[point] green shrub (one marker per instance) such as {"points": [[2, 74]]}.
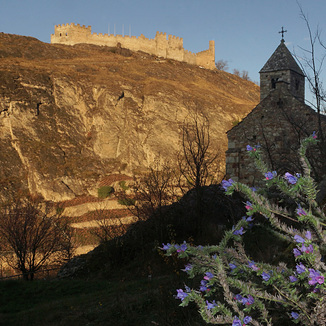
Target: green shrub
{"points": [[105, 191], [123, 185], [126, 201]]}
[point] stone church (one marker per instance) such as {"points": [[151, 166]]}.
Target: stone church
{"points": [[278, 123]]}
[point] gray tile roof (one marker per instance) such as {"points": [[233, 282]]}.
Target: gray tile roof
{"points": [[281, 59]]}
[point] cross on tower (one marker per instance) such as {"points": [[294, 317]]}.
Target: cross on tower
{"points": [[282, 32]]}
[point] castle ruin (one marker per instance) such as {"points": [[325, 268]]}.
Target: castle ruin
{"points": [[170, 47]]}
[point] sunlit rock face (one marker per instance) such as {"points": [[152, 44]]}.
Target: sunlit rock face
{"points": [[70, 115]]}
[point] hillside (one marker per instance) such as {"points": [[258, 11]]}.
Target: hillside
{"points": [[70, 116]]}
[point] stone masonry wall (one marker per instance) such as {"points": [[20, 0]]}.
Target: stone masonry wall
{"points": [[170, 48], [277, 124], [295, 81]]}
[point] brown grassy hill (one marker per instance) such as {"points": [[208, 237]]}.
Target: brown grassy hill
{"points": [[72, 115]]}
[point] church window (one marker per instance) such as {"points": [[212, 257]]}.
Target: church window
{"points": [[274, 81]]}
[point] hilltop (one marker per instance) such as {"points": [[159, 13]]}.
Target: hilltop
{"points": [[73, 115]]}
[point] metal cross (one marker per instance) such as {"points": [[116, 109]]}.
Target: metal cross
{"points": [[282, 32]]}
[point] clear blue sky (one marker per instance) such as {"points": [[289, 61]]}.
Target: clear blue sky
{"points": [[245, 31]]}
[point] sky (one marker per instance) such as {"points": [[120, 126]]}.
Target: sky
{"points": [[246, 32]]}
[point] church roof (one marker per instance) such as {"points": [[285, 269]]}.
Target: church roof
{"points": [[281, 59]]}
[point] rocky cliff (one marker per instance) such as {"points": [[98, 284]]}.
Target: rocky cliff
{"points": [[71, 115]]}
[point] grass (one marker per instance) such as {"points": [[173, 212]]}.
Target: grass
{"points": [[98, 302]]}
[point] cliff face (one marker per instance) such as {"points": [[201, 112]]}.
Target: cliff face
{"points": [[70, 115]]}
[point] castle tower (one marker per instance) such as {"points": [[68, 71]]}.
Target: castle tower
{"points": [[71, 34], [282, 67]]}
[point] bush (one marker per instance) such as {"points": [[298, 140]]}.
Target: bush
{"points": [[126, 201], [123, 185], [236, 290], [105, 191]]}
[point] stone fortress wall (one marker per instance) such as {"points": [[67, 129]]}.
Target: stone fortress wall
{"points": [[170, 47]]}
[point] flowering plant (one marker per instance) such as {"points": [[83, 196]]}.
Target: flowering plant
{"points": [[235, 290]]}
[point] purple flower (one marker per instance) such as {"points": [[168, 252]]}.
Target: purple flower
{"points": [[187, 268], [236, 322], [301, 211], [296, 252], [203, 286], [294, 315], [314, 136], [238, 297], [308, 235], [210, 305], [252, 149], [265, 276], [247, 301], [293, 279], [253, 266], [249, 148], [250, 299], [248, 219], [181, 295], [238, 232], [166, 247], [248, 205], [290, 178], [183, 247], [298, 239], [247, 320], [315, 277], [270, 175], [208, 276], [226, 184], [300, 268], [307, 250], [232, 266]]}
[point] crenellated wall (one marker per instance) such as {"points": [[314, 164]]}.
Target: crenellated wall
{"points": [[170, 47]]}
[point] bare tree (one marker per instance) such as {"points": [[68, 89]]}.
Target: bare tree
{"points": [[312, 68], [155, 190], [245, 75], [221, 65], [236, 72], [198, 160], [33, 236]]}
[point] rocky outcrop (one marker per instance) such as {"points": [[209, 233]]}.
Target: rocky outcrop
{"points": [[70, 115]]}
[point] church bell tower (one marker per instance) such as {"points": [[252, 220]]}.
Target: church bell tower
{"points": [[282, 67]]}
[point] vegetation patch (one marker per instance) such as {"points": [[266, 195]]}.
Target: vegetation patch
{"points": [[123, 185], [126, 201], [105, 191]]}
